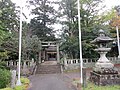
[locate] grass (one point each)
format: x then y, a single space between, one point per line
72 71
91 86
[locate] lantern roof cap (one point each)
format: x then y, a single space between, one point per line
102 38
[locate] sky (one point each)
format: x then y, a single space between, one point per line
109 4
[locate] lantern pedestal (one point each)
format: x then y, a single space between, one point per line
107 77
103 62
104 72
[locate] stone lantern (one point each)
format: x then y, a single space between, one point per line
104 72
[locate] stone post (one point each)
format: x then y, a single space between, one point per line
84 78
71 61
7 63
40 57
24 64
43 56
11 63
13 78
32 62
65 62
47 56
58 54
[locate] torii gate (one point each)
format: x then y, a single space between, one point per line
49 52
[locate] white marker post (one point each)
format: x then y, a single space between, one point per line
20 43
118 41
80 44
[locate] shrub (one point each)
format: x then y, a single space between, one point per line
5 77
25 80
6 89
3 65
19 88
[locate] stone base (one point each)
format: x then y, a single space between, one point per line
104 79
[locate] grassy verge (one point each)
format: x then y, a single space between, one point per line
91 86
25 85
72 71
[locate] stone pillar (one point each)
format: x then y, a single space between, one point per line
65 62
43 55
76 61
7 63
71 61
13 78
11 63
87 61
32 62
58 54
24 64
47 56
25 70
84 77
39 57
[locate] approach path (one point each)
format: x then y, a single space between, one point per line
51 82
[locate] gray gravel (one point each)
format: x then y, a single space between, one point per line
51 82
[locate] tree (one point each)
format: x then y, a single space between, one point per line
44 18
89 26
8 23
30 44
8 15
31 47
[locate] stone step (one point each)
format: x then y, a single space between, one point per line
48 69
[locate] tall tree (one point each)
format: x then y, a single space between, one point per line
8 22
89 25
8 15
44 18
31 45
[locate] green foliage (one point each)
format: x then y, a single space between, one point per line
30 45
71 47
3 55
3 65
3 36
6 89
70 28
25 80
88 50
91 86
89 27
8 23
11 46
8 16
25 84
41 23
19 87
91 22
5 77
95 87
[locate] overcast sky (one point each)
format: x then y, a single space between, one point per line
109 4
112 3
